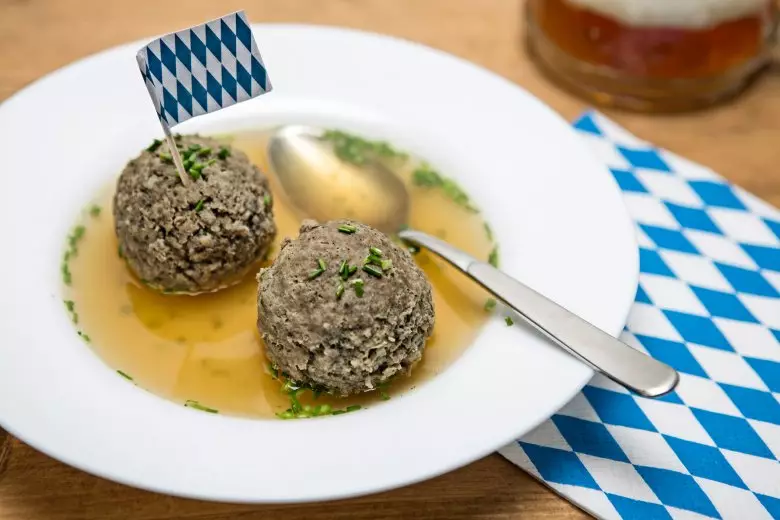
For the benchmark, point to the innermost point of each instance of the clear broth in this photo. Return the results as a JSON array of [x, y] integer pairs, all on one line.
[[207, 349]]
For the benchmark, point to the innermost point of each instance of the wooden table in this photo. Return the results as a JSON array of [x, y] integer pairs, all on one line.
[[37, 36]]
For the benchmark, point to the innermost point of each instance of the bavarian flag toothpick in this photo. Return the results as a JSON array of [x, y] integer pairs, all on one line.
[[202, 69]]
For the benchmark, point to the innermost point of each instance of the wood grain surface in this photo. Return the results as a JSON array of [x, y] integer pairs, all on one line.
[[739, 140]]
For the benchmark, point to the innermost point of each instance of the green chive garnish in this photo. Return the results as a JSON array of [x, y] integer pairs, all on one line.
[[210, 162], [196, 405], [94, 210], [352, 270], [194, 147], [372, 259], [314, 274], [373, 271], [347, 228], [375, 251], [353, 408], [204, 152], [357, 284], [493, 257], [125, 375], [199, 205], [84, 336], [339, 291], [224, 153], [70, 305], [343, 267], [488, 232], [509, 321], [321, 263], [490, 304], [154, 146], [166, 158], [188, 164], [266, 200], [386, 264], [322, 409]]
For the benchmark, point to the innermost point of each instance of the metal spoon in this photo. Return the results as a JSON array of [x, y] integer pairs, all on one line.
[[323, 187], [591, 345], [313, 178]]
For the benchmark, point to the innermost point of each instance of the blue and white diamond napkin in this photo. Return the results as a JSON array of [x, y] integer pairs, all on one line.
[[203, 69], [708, 304]]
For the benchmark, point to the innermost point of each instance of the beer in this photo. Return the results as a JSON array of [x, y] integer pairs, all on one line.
[[651, 54]]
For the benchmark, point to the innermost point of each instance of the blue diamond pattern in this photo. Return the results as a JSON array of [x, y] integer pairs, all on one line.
[[771, 504], [747, 281], [649, 159], [651, 262], [717, 194], [678, 490], [616, 408], [628, 181], [638, 509], [767, 370], [732, 433], [179, 103], [693, 218], [641, 296], [748, 431], [559, 466], [591, 438], [673, 354], [587, 125], [723, 304], [669, 239], [697, 329], [754, 404], [765, 257], [704, 461]]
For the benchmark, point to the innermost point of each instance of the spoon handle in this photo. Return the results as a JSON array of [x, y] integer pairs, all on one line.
[[605, 354]]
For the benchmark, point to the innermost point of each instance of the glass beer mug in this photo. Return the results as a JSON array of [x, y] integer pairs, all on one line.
[[651, 55]]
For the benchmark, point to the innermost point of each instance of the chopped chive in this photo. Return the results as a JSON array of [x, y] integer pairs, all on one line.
[[372, 259], [84, 336], [322, 409], [386, 264], [314, 274], [490, 304], [199, 205], [509, 321], [357, 284], [154, 146], [125, 375], [287, 414], [339, 291], [166, 158], [119, 252], [70, 305], [488, 231], [188, 164], [94, 211], [373, 271], [353, 408], [343, 267], [321, 263], [196, 405], [224, 153], [204, 152], [352, 270], [493, 257], [210, 162], [266, 200], [194, 147], [375, 251], [347, 228]]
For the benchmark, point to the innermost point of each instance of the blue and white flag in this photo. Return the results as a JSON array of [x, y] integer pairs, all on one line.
[[203, 69]]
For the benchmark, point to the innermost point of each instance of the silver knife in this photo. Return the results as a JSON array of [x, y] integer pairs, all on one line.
[[603, 353]]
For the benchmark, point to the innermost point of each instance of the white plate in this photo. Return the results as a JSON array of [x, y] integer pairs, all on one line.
[[556, 213]]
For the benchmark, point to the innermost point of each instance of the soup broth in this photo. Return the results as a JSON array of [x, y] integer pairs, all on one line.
[[206, 349]]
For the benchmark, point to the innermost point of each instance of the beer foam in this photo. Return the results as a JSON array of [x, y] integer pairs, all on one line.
[[694, 14]]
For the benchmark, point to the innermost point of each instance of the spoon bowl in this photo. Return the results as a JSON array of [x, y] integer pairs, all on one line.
[[325, 187]]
